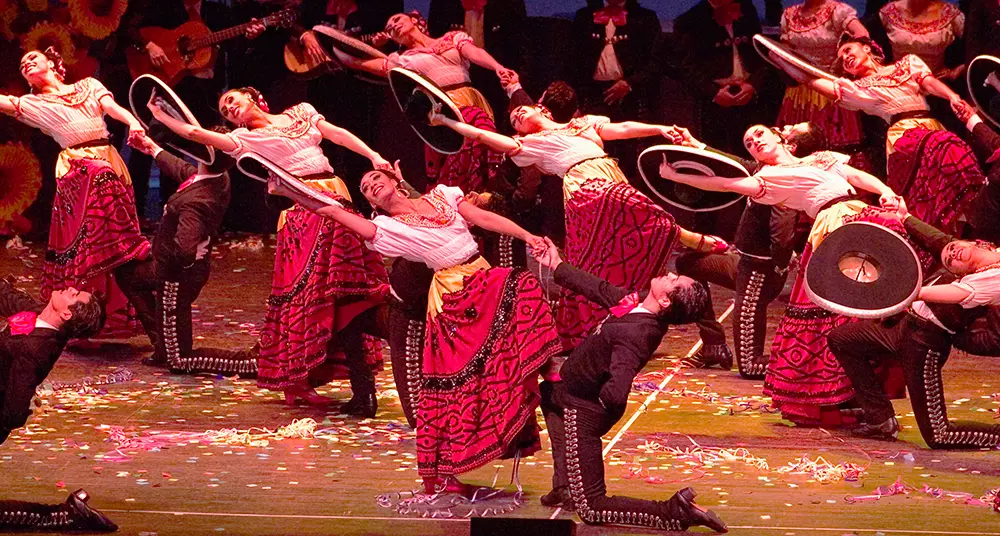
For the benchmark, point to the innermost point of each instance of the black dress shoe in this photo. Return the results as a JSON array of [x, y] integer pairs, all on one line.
[[85, 517], [558, 498], [711, 355], [155, 360], [696, 515], [887, 430], [365, 405]]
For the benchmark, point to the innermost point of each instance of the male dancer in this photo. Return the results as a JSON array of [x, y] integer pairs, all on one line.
[[180, 265], [922, 340], [595, 383], [32, 337]]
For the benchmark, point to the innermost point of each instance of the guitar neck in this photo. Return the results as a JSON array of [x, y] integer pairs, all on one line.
[[215, 38]]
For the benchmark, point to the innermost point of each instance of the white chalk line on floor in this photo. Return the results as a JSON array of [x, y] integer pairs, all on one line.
[[652, 397]]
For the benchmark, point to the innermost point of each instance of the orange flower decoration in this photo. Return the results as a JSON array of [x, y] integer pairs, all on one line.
[[48, 34], [8, 13], [37, 6], [96, 19], [20, 180]]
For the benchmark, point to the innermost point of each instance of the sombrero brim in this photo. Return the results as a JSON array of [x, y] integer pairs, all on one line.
[[332, 38], [766, 46], [693, 161], [886, 253], [139, 93], [259, 168], [983, 77], [415, 96]]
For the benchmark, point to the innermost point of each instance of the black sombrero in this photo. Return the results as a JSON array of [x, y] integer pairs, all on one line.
[[695, 162], [333, 39], [416, 96], [257, 167], [863, 270], [983, 78], [139, 94], [769, 48]]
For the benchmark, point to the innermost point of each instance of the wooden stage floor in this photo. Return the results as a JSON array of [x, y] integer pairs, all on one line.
[[328, 484]]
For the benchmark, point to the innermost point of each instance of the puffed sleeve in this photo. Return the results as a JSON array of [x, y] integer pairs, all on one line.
[[774, 184], [390, 237], [309, 112], [918, 69], [237, 137], [97, 89], [452, 194], [958, 25], [843, 15], [783, 25], [390, 63], [527, 153], [460, 39], [983, 288]]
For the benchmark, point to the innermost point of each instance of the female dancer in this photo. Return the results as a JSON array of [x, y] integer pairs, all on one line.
[[803, 377], [612, 230], [444, 61], [813, 30], [324, 275], [95, 228], [925, 28], [489, 330], [936, 171]]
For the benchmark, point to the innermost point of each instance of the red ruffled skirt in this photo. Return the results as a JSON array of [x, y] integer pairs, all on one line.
[[480, 390], [94, 230], [324, 276]]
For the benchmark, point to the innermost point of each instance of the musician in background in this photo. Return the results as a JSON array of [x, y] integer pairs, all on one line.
[[356, 104]]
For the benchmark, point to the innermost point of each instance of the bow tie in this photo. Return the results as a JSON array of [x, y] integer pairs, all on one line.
[[727, 12], [22, 323], [341, 8], [473, 5], [995, 157], [625, 306], [616, 14]]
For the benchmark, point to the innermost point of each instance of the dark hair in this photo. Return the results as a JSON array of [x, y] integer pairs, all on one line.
[[877, 53], [399, 183], [560, 98], [687, 303], [808, 142], [223, 162], [88, 318], [56, 58]]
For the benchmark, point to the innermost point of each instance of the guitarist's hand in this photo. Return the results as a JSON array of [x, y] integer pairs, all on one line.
[[254, 29], [156, 54], [314, 52]]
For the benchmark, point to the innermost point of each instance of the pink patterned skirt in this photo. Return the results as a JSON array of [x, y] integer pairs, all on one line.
[[473, 167], [482, 355], [324, 276], [94, 230], [614, 232]]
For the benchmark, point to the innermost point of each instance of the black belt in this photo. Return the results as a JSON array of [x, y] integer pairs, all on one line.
[[841, 199], [913, 114], [100, 142]]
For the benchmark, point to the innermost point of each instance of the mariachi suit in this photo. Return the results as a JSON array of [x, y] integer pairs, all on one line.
[[191, 216], [923, 347], [591, 397]]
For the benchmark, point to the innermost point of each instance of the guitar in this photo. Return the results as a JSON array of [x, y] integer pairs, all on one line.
[[301, 65], [190, 47]]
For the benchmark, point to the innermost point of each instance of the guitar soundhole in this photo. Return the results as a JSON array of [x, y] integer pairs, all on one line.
[[182, 45]]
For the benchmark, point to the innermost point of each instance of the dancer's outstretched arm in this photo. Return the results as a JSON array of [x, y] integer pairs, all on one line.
[[634, 129], [745, 186], [120, 114], [498, 224], [495, 141], [348, 140], [191, 132], [870, 183], [335, 211], [7, 104], [375, 66]]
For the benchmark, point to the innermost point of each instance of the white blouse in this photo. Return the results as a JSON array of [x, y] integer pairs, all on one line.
[[70, 118], [555, 152], [442, 64], [439, 241], [983, 289], [295, 148], [925, 39], [808, 185], [816, 37], [892, 91]]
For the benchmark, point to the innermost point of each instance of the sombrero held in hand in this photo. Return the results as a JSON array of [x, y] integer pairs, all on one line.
[[773, 52], [144, 88], [695, 162], [333, 39], [983, 79], [260, 168], [416, 97], [863, 270]]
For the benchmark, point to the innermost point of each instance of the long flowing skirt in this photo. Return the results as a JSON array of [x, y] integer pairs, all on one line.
[[94, 230], [482, 354], [937, 173], [801, 104], [473, 168], [612, 231], [324, 276], [804, 378]]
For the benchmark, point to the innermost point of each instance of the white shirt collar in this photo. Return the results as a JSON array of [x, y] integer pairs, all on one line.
[[39, 323]]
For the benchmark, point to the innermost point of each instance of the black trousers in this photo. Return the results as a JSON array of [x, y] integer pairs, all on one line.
[[165, 315], [756, 283], [923, 349], [575, 428]]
